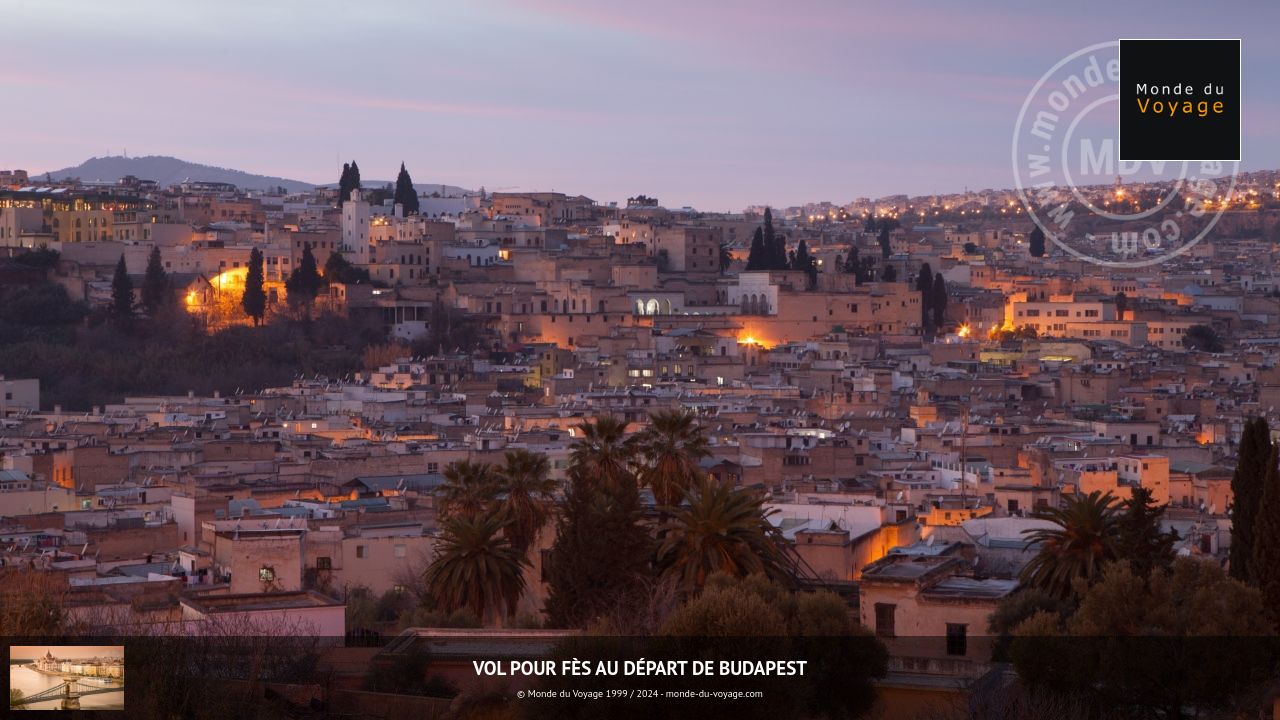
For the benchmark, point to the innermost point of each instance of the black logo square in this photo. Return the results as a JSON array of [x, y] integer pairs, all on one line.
[[1180, 100]]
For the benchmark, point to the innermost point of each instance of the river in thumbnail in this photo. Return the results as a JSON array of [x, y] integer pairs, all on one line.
[[31, 682]]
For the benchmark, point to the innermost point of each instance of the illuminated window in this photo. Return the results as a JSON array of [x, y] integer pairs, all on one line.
[[267, 574]]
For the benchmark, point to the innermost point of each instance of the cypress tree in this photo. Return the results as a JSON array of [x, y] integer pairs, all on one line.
[[1265, 564], [155, 284], [304, 282], [405, 195], [1246, 488], [254, 300], [601, 555], [1036, 242], [924, 285], [939, 300], [802, 258], [775, 248], [756, 259], [924, 281], [344, 183], [121, 307], [885, 249], [1141, 541], [851, 262], [889, 274], [781, 258], [355, 177]]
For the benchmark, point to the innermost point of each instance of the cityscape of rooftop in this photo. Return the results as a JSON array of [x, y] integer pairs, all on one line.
[[546, 359]]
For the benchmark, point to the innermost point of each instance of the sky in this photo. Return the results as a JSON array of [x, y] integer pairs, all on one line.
[[73, 652], [716, 104]]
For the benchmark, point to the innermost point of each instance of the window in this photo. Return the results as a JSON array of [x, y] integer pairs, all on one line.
[[324, 563], [884, 619], [267, 574], [360, 551], [957, 639]]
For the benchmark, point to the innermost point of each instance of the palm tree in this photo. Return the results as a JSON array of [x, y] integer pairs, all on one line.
[[476, 566], [720, 529], [1083, 541], [602, 454], [526, 495], [469, 488], [671, 447]]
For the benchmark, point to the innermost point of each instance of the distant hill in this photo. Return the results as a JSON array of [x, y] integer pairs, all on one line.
[[168, 171]]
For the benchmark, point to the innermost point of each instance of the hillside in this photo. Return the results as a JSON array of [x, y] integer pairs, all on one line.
[[170, 171]]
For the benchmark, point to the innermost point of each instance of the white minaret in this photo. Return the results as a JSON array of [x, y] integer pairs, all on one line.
[[355, 229]]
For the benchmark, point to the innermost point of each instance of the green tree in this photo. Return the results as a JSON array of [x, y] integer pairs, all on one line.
[[337, 269], [1083, 541], [121, 307], [476, 567], [602, 555], [1246, 489], [406, 196], [254, 299], [1190, 637], [886, 249], [1203, 338], [671, 448], [304, 283], [720, 529], [1016, 609], [924, 285], [602, 455], [728, 609], [756, 258], [890, 273], [344, 183], [1122, 303], [155, 284], [1266, 541], [1140, 540], [842, 659], [1035, 242], [970, 249], [774, 245], [469, 488], [349, 181], [938, 300], [17, 699], [526, 495]]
